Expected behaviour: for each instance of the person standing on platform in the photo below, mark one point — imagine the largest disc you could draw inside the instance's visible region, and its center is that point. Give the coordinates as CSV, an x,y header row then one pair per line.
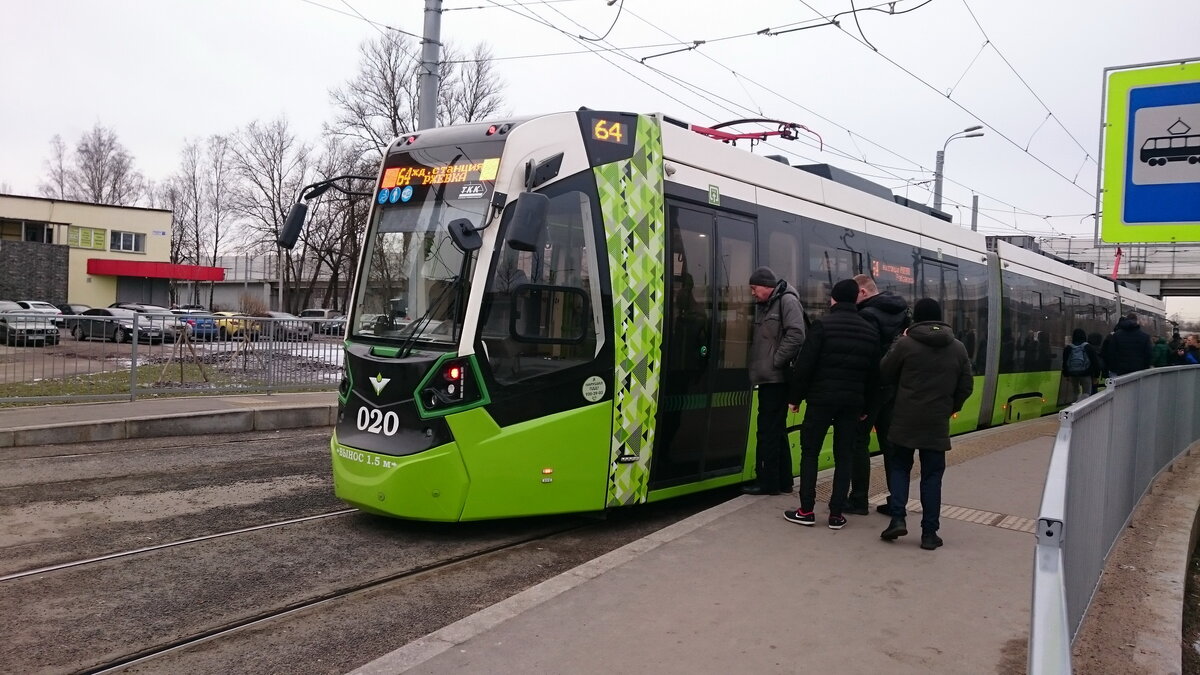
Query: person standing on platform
x,y
778,337
932,374
1081,365
838,371
888,312
1127,349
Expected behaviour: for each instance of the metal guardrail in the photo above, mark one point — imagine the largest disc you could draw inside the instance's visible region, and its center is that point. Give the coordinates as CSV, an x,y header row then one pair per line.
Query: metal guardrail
x,y
1109,449
46,357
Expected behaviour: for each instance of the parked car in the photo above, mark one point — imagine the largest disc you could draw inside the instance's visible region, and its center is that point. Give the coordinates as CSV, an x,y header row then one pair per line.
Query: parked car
x,y
43,308
20,327
328,316
282,329
112,323
157,316
233,326
68,308
200,308
334,327
203,325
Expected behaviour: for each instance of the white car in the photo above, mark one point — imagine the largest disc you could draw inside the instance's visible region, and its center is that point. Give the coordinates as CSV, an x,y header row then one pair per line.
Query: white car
x,y
43,308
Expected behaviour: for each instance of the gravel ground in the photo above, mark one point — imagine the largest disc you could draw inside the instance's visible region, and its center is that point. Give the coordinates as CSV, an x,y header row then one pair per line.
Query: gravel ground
x,y
1191,617
59,504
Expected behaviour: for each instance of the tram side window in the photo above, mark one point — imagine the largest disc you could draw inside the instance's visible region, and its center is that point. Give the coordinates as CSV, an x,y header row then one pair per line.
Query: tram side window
x,y
540,309
783,256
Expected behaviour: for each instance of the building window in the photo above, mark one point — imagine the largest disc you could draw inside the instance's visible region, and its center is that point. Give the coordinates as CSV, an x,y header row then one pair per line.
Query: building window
x,y
85,237
27,230
129,242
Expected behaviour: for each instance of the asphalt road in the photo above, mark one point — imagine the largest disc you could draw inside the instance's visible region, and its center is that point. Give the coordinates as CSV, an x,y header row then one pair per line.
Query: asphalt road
x,y
60,504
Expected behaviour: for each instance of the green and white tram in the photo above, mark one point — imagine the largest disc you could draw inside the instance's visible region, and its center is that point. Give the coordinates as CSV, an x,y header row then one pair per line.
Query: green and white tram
x,y
552,314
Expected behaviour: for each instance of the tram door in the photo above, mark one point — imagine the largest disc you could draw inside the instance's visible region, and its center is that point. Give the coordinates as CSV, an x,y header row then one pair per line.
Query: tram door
x,y
704,405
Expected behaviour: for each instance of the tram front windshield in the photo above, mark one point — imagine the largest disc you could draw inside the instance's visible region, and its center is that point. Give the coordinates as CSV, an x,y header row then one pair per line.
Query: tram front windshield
x,y
409,285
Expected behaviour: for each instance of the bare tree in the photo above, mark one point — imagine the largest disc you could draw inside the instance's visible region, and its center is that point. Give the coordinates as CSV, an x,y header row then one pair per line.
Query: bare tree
x,y
475,92
270,165
58,172
380,102
219,188
104,171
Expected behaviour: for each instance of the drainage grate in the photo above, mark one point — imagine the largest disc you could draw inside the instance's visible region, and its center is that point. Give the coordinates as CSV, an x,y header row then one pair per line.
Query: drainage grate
x,y
989,518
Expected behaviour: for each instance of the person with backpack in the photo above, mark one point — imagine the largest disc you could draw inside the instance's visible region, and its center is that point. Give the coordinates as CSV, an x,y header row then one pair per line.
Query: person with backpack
x,y
778,337
1081,365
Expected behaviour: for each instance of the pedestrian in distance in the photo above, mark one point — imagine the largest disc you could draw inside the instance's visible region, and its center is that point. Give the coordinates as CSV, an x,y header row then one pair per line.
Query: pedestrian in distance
x,y
838,372
932,374
778,337
1127,349
888,312
1191,350
1162,353
1081,365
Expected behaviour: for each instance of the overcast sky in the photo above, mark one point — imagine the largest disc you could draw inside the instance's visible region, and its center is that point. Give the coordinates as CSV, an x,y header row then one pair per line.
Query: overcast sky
x,y
159,72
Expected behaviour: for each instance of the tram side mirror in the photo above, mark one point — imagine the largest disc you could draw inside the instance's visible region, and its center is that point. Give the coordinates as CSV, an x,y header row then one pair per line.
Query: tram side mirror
x,y
291,227
464,234
529,221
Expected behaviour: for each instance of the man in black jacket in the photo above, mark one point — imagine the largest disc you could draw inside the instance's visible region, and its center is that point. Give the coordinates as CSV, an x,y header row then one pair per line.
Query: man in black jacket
x,y
838,368
932,374
888,312
1127,349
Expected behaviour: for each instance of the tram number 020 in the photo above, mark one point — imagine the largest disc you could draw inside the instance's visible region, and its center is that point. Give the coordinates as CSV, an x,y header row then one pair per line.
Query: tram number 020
x,y
375,421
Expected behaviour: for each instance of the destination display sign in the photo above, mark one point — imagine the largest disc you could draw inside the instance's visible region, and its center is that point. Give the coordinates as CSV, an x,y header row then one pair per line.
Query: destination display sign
x,y
408,179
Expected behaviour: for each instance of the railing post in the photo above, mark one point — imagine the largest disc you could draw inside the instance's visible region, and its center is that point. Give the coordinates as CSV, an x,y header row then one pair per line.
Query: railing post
x,y
133,360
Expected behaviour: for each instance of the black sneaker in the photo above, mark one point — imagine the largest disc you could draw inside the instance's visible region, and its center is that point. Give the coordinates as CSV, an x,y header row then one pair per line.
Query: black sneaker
x,y
930,541
857,510
836,522
898,528
884,508
800,518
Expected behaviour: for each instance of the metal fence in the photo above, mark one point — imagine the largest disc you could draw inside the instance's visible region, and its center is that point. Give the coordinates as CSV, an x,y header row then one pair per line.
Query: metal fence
x,y
47,357
1109,449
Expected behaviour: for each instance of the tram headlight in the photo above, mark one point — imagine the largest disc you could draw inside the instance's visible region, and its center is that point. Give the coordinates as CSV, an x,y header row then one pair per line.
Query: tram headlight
x,y
453,385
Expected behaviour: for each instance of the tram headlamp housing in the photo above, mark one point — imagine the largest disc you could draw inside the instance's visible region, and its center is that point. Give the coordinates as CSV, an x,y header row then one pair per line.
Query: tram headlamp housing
x,y
453,384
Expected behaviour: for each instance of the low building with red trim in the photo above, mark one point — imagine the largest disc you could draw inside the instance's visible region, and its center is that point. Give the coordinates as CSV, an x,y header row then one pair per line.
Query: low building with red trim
x,y
110,253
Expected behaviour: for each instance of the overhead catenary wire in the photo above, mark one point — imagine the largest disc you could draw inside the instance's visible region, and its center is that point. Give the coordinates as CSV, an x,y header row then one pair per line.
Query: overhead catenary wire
x,y
962,107
532,15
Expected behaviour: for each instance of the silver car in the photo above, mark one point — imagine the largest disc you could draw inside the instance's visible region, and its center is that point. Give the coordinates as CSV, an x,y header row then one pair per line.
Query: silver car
x,y
285,326
20,327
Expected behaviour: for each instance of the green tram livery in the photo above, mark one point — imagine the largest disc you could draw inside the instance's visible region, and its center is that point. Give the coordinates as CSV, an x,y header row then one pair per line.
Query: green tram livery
x,y
553,314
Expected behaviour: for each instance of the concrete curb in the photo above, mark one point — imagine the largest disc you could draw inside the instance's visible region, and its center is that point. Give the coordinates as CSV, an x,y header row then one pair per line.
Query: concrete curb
x,y
179,424
422,649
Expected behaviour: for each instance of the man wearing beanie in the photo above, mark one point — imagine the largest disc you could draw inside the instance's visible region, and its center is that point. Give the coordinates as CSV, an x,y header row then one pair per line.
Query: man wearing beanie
x,y
778,336
838,369
932,374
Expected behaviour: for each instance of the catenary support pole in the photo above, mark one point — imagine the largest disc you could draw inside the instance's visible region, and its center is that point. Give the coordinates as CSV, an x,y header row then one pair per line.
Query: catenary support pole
x,y
974,213
430,62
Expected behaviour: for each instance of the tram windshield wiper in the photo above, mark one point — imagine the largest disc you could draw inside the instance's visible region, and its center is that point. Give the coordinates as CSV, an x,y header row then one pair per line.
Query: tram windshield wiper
x,y
418,325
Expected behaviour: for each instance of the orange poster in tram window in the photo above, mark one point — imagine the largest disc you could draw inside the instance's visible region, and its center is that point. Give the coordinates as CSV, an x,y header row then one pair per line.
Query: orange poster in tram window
x,y
389,178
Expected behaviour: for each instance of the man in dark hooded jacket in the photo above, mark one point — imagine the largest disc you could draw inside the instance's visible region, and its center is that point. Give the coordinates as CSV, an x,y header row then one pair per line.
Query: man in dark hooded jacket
x,y
778,336
839,372
932,374
888,312
1127,349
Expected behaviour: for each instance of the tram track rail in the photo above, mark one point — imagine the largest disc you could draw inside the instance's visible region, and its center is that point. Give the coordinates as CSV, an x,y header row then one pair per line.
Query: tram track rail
x,y
179,644
160,448
158,547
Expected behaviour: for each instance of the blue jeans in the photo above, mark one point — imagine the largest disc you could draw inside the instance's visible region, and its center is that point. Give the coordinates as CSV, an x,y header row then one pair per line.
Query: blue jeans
x,y
933,465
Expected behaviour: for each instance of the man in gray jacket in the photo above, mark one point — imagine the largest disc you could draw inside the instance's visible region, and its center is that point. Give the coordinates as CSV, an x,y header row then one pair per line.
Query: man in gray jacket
x,y
778,336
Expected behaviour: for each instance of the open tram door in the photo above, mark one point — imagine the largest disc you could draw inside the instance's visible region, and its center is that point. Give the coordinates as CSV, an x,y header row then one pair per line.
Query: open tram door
x,y
705,404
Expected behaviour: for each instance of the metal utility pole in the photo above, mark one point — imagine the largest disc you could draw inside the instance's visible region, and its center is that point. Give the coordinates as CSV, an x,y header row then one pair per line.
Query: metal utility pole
x,y
430,62
974,213
941,161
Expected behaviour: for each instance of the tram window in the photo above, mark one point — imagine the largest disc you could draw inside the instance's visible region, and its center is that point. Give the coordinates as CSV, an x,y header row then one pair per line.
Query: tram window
x,y
538,315
783,255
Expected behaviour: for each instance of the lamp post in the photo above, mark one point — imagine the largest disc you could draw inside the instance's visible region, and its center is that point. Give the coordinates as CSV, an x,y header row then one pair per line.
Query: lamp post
x,y
969,132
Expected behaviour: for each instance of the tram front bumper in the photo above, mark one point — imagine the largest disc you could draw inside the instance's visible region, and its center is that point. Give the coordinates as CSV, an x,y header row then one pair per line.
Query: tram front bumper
x,y
431,485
